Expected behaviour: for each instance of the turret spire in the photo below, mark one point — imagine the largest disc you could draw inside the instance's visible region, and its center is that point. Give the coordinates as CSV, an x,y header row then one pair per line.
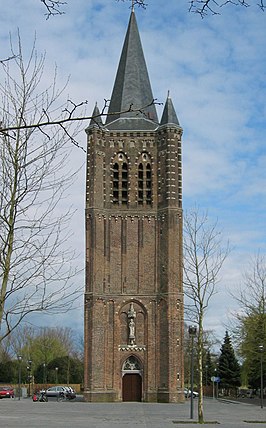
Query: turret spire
x,y
96,120
169,115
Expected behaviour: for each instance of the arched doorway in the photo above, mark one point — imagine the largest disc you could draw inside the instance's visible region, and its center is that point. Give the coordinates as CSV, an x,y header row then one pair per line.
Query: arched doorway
x,y
131,380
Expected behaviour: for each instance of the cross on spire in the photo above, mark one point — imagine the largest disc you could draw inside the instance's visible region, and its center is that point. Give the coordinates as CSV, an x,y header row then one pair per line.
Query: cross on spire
x,y
132,6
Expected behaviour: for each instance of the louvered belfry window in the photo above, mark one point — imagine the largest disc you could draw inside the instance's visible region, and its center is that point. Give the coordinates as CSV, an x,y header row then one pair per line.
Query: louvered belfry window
x,y
144,181
120,180
140,184
148,184
115,183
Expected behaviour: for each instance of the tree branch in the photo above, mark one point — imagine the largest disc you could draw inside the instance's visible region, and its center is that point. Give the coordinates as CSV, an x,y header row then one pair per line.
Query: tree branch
x,y
70,117
213,7
53,7
139,3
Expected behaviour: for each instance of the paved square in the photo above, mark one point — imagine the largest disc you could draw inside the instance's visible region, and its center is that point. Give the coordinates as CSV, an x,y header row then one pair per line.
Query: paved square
x,y
27,414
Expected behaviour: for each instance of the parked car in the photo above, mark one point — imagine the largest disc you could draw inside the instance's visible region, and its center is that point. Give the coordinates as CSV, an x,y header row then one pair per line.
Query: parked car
x,y
187,393
6,392
61,391
246,393
71,391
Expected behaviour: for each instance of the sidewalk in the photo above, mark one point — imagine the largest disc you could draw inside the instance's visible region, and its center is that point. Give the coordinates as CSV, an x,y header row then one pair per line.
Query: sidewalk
x,y
25,413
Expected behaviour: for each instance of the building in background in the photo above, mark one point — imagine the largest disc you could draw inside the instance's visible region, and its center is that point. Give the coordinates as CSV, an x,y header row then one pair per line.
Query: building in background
x,y
133,295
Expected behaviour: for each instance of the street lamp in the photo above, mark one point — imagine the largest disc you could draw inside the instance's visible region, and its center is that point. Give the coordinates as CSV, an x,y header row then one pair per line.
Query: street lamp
x,y
192,330
19,376
261,349
29,373
213,383
44,374
56,375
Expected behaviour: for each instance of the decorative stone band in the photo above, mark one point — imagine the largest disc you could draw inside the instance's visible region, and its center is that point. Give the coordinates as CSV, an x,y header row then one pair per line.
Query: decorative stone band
x,y
136,348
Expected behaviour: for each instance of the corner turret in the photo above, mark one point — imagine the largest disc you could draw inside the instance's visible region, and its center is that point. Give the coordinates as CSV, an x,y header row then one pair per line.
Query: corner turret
x,y
96,119
169,116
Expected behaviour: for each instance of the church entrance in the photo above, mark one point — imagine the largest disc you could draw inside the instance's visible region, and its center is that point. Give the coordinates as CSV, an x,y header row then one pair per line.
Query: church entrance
x,y
132,387
132,380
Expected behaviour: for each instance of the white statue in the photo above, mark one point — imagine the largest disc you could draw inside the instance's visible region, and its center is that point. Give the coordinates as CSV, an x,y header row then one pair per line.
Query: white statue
x,y
131,324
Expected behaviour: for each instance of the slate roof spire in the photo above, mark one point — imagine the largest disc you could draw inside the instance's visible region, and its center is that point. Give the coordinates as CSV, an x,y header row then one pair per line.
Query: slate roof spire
x,y
96,120
132,88
169,115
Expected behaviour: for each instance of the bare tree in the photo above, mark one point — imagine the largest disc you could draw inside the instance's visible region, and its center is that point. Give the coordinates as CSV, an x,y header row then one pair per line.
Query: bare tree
x,y
251,295
204,255
201,7
250,329
209,342
214,7
36,270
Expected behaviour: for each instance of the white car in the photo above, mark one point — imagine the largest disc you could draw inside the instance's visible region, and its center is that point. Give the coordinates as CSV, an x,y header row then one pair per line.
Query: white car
x,y
187,393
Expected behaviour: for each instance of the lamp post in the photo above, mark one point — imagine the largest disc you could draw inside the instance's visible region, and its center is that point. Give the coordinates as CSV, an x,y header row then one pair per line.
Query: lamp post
x,y
19,376
261,375
44,375
192,330
215,381
29,374
56,375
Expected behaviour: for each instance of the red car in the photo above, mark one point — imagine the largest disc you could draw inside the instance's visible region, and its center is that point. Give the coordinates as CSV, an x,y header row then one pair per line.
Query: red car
x,y
6,392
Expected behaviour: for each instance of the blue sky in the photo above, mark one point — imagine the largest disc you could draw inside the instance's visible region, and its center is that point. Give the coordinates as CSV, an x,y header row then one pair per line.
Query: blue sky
x,y
215,71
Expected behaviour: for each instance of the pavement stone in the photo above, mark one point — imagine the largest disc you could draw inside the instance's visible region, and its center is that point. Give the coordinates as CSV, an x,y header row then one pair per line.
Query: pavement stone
x,y
25,413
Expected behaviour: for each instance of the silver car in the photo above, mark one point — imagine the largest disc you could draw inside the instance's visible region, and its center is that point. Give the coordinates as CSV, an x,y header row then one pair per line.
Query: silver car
x,y
60,392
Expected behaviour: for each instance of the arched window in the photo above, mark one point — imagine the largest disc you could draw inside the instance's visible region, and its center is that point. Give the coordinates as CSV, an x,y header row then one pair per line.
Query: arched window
x,y
144,180
132,364
120,180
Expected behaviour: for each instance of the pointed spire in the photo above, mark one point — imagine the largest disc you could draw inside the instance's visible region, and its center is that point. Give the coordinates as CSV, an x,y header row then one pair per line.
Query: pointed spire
x,y
96,120
132,88
169,115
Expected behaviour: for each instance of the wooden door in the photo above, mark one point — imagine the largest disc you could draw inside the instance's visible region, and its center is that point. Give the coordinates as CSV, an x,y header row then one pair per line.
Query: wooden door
x,y
132,387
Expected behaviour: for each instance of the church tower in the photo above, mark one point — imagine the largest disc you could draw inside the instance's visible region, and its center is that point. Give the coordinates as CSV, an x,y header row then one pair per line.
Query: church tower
x,y
133,295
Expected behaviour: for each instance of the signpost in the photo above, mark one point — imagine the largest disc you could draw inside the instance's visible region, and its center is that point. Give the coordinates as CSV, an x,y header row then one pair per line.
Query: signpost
x,y
215,379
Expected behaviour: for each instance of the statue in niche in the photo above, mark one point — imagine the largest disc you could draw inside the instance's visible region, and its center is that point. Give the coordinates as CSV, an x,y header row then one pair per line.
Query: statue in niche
x,y
131,324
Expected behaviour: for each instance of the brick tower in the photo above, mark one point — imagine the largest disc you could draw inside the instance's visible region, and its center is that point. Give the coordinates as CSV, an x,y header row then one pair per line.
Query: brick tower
x,y
133,295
